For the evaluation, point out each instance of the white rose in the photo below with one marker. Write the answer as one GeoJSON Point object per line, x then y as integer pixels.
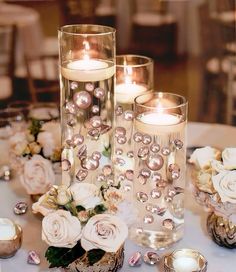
{"type": "Point", "coordinates": [50, 138]}
{"type": "Point", "coordinates": [63, 195]}
{"type": "Point", "coordinates": [41, 206]}
{"type": "Point", "coordinates": [85, 194]}
{"type": "Point", "coordinates": [202, 157]}
{"type": "Point", "coordinates": [18, 143]}
{"type": "Point", "coordinates": [225, 184]}
{"type": "Point", "coordinates": [104, 231]}
{"type": "Point", "coordinates": [61, 229]}
{"type": "Point", "coordinates": [229, 158]}
{"type": "Point", "coordinates": [38, 175]}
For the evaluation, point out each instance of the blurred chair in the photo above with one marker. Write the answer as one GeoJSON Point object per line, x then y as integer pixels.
{"type": "Point", "coordinates": [105, 13]}
{"type": "Point", "coordinates": [231, 92]}
{"type": "Point", "coordinates": [7, 61]}
{"type": "Point", "coordinates": [154, 29]}
{"type": "Point", "coordinates": [77, 11]}
{"type": "Point", "coordinates": [215, 62]}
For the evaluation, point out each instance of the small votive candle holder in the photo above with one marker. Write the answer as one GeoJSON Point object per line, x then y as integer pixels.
{"type": "Point", "coordinates": [185, 260]}
{"type": "Point", "coordinates": [10, 238]}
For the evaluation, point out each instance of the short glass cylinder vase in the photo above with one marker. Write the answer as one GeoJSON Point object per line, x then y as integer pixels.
{"type": "Point", "coordinates": [159, 173]}
{"type": "Point", "coordinates": [134, 76]}
{"type": "Point", "coordinates": [87, 68]}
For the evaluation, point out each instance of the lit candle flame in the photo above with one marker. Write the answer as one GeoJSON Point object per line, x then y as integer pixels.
{"type": "Point", "coordinates": [128, 73]}
{"type": "Point", "coordinates": [86, 49]}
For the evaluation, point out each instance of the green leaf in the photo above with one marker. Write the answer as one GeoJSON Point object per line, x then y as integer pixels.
{"type": "Point", "coordinates": [100, 209]}
{"type": "Point", "coordinates": [71, 208]}
{"type": "Point", "coordinates": [62, 257]}
{"type": "Point", "coordinates": [80, 208]}
{"type": "Point", "coordinates": [95, 255]}
{"type": "Point", "coordinates": [35, 127]}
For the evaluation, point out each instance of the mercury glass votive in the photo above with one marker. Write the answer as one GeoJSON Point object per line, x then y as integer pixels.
{"type": "Point", "coordinates": [159, 172]}
{"type": "Point", "coordinates": [10, 238]}
{"type": "Point", "coordinates": [185, 260]}
{"type": "Point", "coordinates": [134, 76]}
{"type": "Point", "coordinates": [87, 69]}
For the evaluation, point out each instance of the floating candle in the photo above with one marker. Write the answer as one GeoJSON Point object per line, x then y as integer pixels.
{"type": "Point", "coordinates": [7, 229]}
{"type": "Point", "coordinates": [185, 264]}
{"type": "Point", "coordinates": [126, 92]}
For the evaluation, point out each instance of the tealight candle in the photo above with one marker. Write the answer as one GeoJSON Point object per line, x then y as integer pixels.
{"type": "Point", "coordinates": [185, 264]}
{"type": "Point", "coordinates": [10, 238]}
{"type": "Point", "coordinates": [185, 260]}
{"type": "Point", "coordinates": [86, 70]}
{"type": "Point", "coordinates": [126, 92]}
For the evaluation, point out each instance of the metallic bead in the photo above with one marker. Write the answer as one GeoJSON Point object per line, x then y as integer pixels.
{"type": "Point", "coordinates": [82, 99]}
{"type": "Point", "coordinates": [156, 177]}
{"type": "Point", "coordinates": [20, 208]}
{"type": "Point", "coordinates": [151, 258]}
{"type": "Point", "coordinates": [33, 258]}
{"type": "Point", "coordinates": [145, 172]}
{"type": "Point", "coordinates": [89, 164]}
{"type": "Point", "coordinates": [168, 224]}
{"type": "Point", "coordinates": [70, 108]}
{"type": "Point", "coordinates": [138, 137]}
{"type": "Point", "coordinates": [95, 109]}
{"type": "Point", "coordinates": [142, 197]}
{"type": "Point", "coordinates": [107, 170]}
{"type": "Point", "coordinates": [94, 133]}
{"type": "Point", "coordinates": [119, 161]}
{"type": "Point", "coordinates": [165, 151]}
{"type": "Point", "coordinates": [175, 174]}
{"type": "Point", "coordinates": [147, 139]}
{"type": "Point", "coordinates": [178, 144]}
{"type": "Point", "coordinates": [135, 259]}
{"type": "Point", "coordinates": [142, 180]}
{"type": "Point", "coordinates": [161, 211]}
{"type": "Point", "coordinates": [155, 162]}
{"type": "Point", "coordinates": [130, 154]}
{"type": "Point", "coordinates": [101, 178]}
{"type": "Point", "coordinates": [168, 199]}
{"type": "Point", "coordinates": [118, 110]}
{"type": "Point", "coordinates": [143, 152]}
{"type": "Point", "coordinates": [129, 174]}
{"type": "Point", "coordinates": [119, 151]}
{"type": "Point", "coordinates": [82, 152]}
{"type": "Point", "coordinates": [65, 165]}
{"type": "Point", "coordinates": [128, 115]}
{"type": "Point", "coordinates": [121, 177]}
{"type": "Point", "coordinates": [155, 193]}
{"type": "Point", "coordinates": [120, 131]}
{"type": "Point", "coordinates": [89, 86]}
{"type": "Point", "coordinates": [148, 219]}
{"type": "Point", "coordinates": [99, 93]}
{"type": "Point", "coordinates": [74, 85]}
{"type": "Point", "coordinates": [155, 148]}
{"type": "Point", "coordinates": [78, 139]}
{"type": "Point", "coordinates": [82, 174]}
{"type": "Point", "coordinates": [96, 155]}
{"type": "Point", "coordinates": [96, 121]}
{"type": "Point", "coordinates": [121, 140]}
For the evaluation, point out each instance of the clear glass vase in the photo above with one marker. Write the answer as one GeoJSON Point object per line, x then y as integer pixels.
{"type": "Point", "coordinates": [159, 173]}
{"type": "Point", "coordinates": [134, 76]}
{"type": "Point", "coordinates": [87, 69]}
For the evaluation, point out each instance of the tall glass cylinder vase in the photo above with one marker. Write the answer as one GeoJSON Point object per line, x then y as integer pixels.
{"type": "Point", "coordinates": [87, 68]}
{"type": "Point", "coordinates": [134, 76]}
{"type": "Point", "coordinates": [160, 163]}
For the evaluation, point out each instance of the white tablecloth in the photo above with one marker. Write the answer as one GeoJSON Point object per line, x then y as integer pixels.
{"type": "Point", "coordinates": [220, 259]}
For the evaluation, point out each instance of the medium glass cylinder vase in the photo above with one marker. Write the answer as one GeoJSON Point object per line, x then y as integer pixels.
{"type": "Point", "coordinates": [87, 68]}
{"type": "Point", "coordinates": [134, 76]}
{"type": "Point", "coordinates": [159, 173]}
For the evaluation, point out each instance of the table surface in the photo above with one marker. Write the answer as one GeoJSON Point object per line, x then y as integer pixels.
{"type": "Point", "coordinates": [219, 259]}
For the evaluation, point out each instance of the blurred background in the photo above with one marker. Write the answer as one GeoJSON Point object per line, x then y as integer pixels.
{"type": "Point", "coordinates": [193, 44]}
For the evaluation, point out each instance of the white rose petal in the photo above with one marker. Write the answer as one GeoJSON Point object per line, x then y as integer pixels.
{"type": "Point", "coordinates": [63, 195]}
{"type": "Point", "coordinates": [61, 229]}
{"type": "Point", "coordinates": [50, 138]}
{"type": "Point", "coordinates": [39, 207]}
{"type": "Point", "coordinates": [202, 157]}
{"type": "Point", "coordinates": [229, 158]}
{"type": "Point", "coordinates": [84, 192]}
{"type": "Point", "coordinates": [104, 231]}
{"type": "Point", "coordinates": [18, 143]}
{"type": "Point", "coordinates": [37, 175]}
{"type": "Point", "coordinates": [225, 184]}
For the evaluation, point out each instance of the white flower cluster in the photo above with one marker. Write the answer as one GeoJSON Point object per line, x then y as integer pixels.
{"type": "Point", "coordinates": [47, 142]}
{"type": "Point", "coordinates": [64, 228]}
{"type": "Point", "coordinates": [216, 171]}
